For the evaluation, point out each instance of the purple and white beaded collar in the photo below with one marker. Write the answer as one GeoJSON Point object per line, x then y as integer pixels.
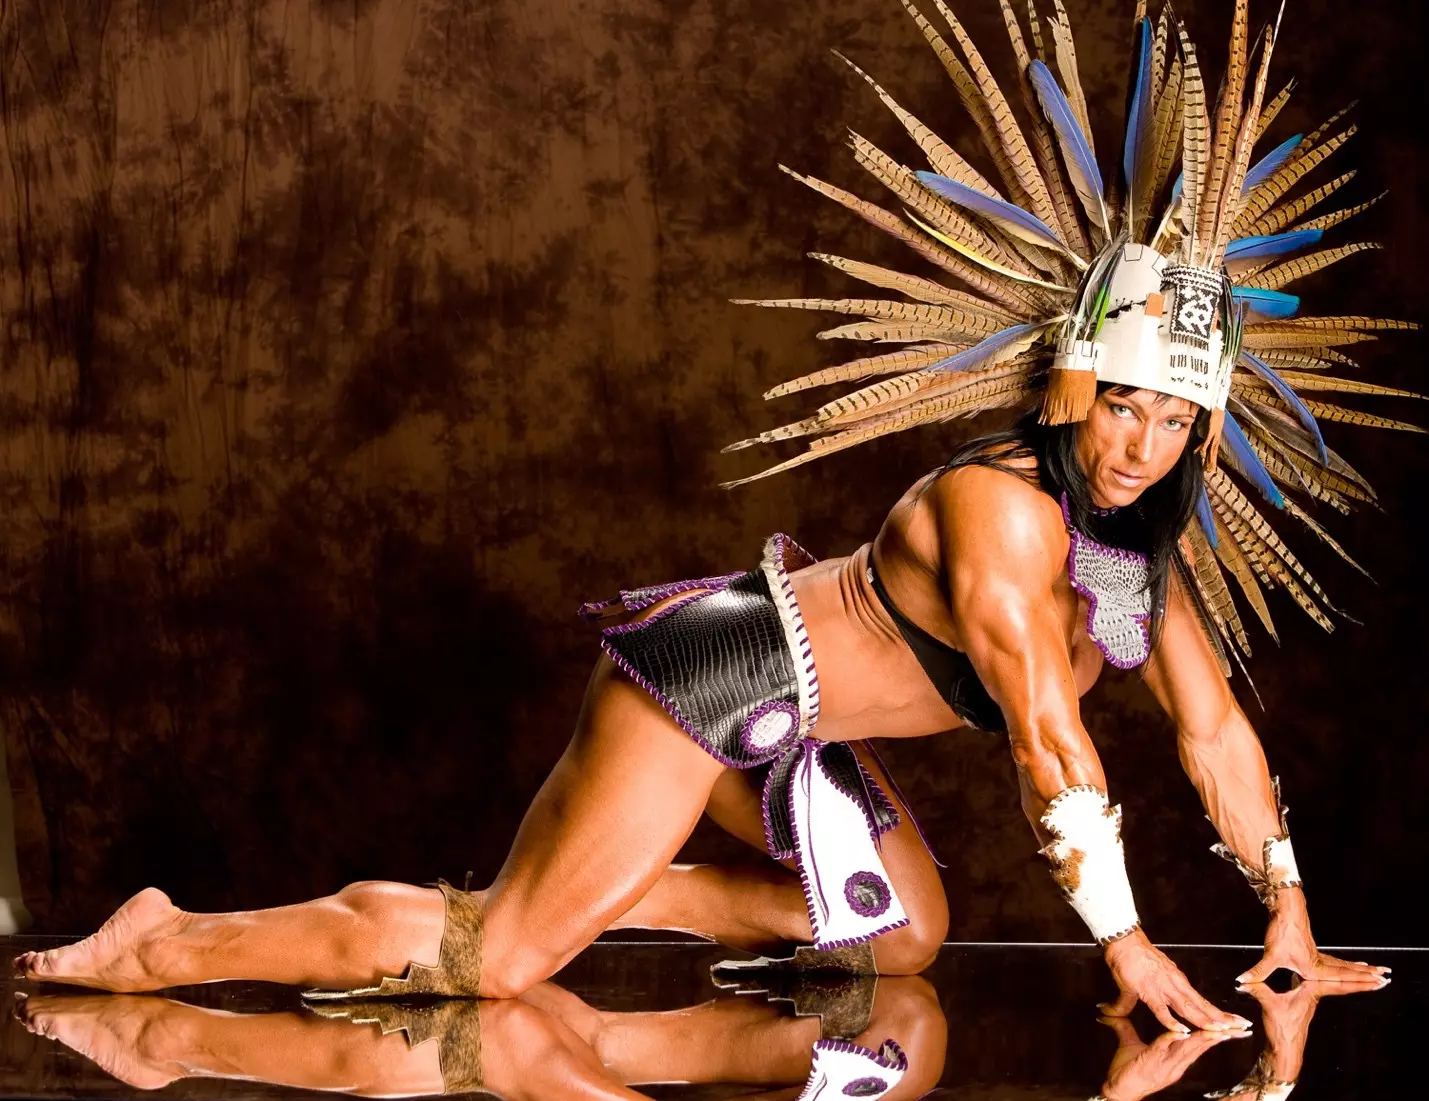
{"type": "Point", "coordinates": [1115, 583]}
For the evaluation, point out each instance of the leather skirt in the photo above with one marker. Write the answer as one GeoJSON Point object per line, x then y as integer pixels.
{"type": "Point", "coordinates": [731, 663]}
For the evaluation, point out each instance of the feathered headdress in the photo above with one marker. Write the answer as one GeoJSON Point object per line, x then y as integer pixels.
{"type": "Point", "coordinates": [1177, 286]}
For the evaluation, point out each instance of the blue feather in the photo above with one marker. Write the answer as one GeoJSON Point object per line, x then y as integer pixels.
{"type": "Point", "coordinates": [1178, 187]}
{"type": "Point", "coordinates": [1207, 519]}
{"type": "Point", "coordinates": [1244, 458]}
{"type": "Point", "coordinates": [1248, 249]}
{"type": "Point", "coordinates": [1012, 218]}
{"type": "Point", "coordinates": [1138, 115]}
{"type": "Point", "coordinates": [1081, 165]}
{"type": "Point", "coordinates": [1263, 369]}
{"type": "Point", "coordinates": [1270, 162]}
{"type": "Point", "coordinates": [1271, 305]}
{"type": "Point", "coordinates": [970, 357]}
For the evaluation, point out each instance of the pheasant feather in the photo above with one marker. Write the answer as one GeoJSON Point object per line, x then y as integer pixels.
{"type": "Point", "coordinates": [890, 363]}
{"type": "Point", "coordinates": [1193, 139]}
{"type": "Point", "coordinates": [948, 259]}
{"type": "Point", "coordinates": [1231, 556]}
{"type": "Point", "coordinates": [1011, 219]}
{"type": "Point", "coordinates": [1272, 110]}
{"type": "Point", "coordinates": [1259, 201]}
{"type": "Point", "coordinates": [915, 286]}
{"type": "Point", "coordinates": [1139, 125]}
{"type": "Point", "coordinates": [1276, 219]}
{"type": "Point", "coordinates": [1081, 163]}
{"type": "Point", "coordinates": [971, 98]}
{"type": "Point", "coordinates": [1274, 278]}
{"type": "Point", "coordinates": [1206, 211]}
{"type": "Point", "coordinates": [1269, 163]}
{"type": "Point", "coordinates": [1289, 397]}
{"type": "Point", "coordinates": [1326, 221]}
{"type": "Point", "coordinates": [943, 157]}
{"type": "Point", "coordinates": [1014, 143]}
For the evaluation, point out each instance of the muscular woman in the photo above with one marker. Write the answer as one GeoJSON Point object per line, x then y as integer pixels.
{"type": "Point", "coordinates": [977, 556]}
{"type": "Point", "coordinates": [992, 595]}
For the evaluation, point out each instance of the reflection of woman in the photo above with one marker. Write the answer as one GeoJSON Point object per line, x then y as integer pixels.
{"type": "Point", "coordinates": [545, 1045]}
{"type": "Point", "coordinates": [992, 595]}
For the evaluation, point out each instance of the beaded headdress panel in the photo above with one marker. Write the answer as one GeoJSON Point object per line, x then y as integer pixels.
{"type": "Point", "coordinates": [1038, 287]}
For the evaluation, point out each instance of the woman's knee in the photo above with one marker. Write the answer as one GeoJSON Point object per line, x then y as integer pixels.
{"type": "Point", "coordinates": [513, 971]}
{"type": "Point", "coordinates": [912, 949]}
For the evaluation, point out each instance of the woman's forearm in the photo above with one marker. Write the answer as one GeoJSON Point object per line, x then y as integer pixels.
{"type": "Point", "coordinates": [1229, 771]}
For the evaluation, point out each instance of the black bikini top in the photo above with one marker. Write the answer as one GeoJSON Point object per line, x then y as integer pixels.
{"type": "Point", "coordinates": [950, 670]}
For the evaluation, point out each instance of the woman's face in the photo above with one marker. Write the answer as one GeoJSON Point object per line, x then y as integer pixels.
{"type": "Point", "coordinates": [1131, 439]}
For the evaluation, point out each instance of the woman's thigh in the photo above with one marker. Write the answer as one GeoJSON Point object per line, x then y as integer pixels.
{"type": "Point", "coordinates": [603, 827]}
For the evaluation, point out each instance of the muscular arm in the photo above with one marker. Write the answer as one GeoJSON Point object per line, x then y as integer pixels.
{"type": "Point", "coordinates": [1004, 549]}
{"type": "Point", "coordinates": [1223, 758]}
{"type": "Point", "coordinates": [1219, 750]}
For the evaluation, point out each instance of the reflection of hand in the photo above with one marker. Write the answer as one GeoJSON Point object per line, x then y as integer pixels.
{"type": "Point", "coordinates": [1287, 1024]}
{"type": "Point", "coordinates": [1288, 944]}
{"type": "Point", "coordinates": [1138, 1069]}
{"type": "Point", "coordinates": [1144, 973]}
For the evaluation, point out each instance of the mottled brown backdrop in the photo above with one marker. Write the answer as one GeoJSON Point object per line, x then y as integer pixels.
{"type": "Point", "coordinates": [349, 344]}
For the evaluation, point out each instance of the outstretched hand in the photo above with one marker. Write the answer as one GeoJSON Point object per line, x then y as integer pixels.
{"type": "Point", "coordinates": [1289, 944]}
{"type": "Point", "coordinates": [1145, 974]}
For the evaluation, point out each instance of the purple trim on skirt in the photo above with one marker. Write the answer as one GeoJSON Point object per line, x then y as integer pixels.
{"type": "Point", "coordinates": [890, 1056]}
{"type": "Point", "coordinates": [860, 882]}
{"type": "Point", "coordinates": [666, 703]}
{"type": "Point", "coordinates": [788, 738]}
{"type": "Point", "coordinates": [803, 866]}
{"type": "Point", "coordinates": [652, 594]}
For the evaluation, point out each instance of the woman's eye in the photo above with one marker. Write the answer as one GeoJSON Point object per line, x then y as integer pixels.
{"type": "Point", "coordinates": [1175, 426]}
{"type": "Point", "coordinates": [1121, 410]}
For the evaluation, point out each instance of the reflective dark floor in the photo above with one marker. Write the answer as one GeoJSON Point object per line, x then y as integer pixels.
{"type": "Point", "coordinates": [645, 1020]}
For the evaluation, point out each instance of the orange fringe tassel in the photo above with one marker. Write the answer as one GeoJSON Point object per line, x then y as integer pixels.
{"type": "Point", "coordinates": [1070, 396]}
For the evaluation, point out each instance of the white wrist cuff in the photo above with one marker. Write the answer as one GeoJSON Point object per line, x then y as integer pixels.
{"type": "Point", "coordinates": [1277, 865]}
{"type": "Point", "coordinates": [1280, 867]}
{"type": "Point", "coordinates": [1088, 861]}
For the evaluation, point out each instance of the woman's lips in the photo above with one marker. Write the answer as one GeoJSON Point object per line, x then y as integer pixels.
{"type": "Point", "coordinates": [1130, 481]}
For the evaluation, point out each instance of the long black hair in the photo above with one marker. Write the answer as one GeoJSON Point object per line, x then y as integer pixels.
{"type": "Point", "coordinates": [1151, 526]}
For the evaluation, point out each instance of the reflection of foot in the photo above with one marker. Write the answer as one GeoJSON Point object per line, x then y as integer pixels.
{"type": "Point", "coordinates": [116, 1033]}
{"type": "Point", "coordinates": [120, 957]}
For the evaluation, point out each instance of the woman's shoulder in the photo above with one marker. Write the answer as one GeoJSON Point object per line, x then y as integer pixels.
{"type": "Point", "coordinates": [1007, 497]}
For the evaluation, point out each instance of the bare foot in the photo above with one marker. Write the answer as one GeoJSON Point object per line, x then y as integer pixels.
{"type": "Point", "coordinates": [121, 956]}
{"type": "Point", "coordinates": [118, 1034]}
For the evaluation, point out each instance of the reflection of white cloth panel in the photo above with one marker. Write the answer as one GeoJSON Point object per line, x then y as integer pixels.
{"type": "Point", "coordinates": [847, 889]}
{"type": "Point", "coordinates": [847, 1070]}
{"type": "Point", "coordinates": [13, 916]}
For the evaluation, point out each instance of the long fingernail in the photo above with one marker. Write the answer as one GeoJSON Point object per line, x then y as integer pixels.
{"type": "Point", "coordinates": [1243, 977]}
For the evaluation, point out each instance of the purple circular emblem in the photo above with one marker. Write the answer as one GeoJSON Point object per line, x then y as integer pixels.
{"type": "Point", "coordinates": [769, 727]}
{"type": "Point", "coordinates": [865, 1087]}
{"type": "Point", "coordinates": [867, 894]}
